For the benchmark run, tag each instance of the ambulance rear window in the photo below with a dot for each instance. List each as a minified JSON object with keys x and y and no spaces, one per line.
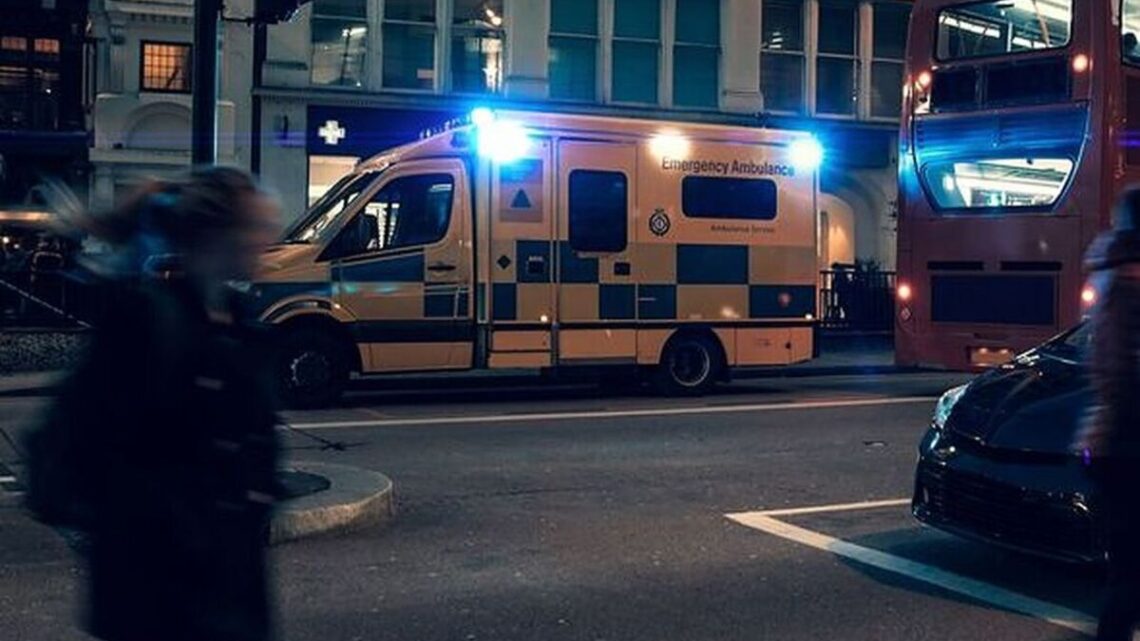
{"x":736,"y":198}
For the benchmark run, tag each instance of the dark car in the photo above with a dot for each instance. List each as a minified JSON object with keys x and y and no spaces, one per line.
{"x":997,"y":463}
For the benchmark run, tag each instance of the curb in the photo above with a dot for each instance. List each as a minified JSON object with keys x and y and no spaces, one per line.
{"x":356,"y":499}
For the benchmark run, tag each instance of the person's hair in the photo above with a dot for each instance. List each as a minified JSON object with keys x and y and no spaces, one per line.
{"x":1126,"y":214}
{"x":183,"y":210}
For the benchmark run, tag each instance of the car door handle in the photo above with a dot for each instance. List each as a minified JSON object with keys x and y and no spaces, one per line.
{"x":441,"y":267}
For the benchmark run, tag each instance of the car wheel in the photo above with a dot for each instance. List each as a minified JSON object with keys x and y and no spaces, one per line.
{"x":311,"y":369}
{"x":690,"y":366}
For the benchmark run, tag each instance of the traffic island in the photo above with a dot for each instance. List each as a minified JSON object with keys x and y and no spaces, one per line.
{"x":325,"y":498}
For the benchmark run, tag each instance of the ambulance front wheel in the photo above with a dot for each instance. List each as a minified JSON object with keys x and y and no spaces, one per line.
{"x":311,"y":369}
{"x":690,"y":365}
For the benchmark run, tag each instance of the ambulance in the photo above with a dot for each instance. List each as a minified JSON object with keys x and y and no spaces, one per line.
{"x":549,"y":241}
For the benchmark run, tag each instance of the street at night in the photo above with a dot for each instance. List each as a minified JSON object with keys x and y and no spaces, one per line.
{"x":538,"y":511}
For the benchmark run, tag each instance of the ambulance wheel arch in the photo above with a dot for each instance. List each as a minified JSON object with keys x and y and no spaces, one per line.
{"x":691,"y":362}
{"x":315,"y":356}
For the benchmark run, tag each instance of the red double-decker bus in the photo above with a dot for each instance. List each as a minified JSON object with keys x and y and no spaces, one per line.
{"x":1015,"y":139}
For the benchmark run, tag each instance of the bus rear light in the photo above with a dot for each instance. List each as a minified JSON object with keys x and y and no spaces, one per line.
{"x":904,"y":292}
{"x":1088,"y":296}
{"x":923,"y":81}
{"x":1081,"y":63}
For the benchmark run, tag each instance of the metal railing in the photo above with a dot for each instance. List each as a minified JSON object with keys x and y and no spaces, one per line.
{"x":55,"y":298}
{"x":860,"y":300}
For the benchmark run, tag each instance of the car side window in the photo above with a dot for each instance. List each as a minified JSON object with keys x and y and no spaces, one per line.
{"x":408,"y":211}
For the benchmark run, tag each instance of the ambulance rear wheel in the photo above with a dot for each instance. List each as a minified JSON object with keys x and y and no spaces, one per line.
{"x":690,"y":366}
{"x":311,"y":369}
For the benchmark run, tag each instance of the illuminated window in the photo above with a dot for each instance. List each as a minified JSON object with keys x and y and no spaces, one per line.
{"x":782,"y":55}
{"x":477,"y":46}
{"x":1130,"y":31}
{"x":996,"y":27}
{"x":13,"y":43}
{"x":1006,"y":183}
{"x":49,"y":46}
{"x":166,"y":66}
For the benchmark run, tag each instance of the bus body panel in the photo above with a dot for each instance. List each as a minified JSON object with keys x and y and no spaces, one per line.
{"x":987,"y":283}
{"x":506,"y":281}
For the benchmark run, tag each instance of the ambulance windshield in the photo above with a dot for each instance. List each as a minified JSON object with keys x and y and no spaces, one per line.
{"x":320,"y":216}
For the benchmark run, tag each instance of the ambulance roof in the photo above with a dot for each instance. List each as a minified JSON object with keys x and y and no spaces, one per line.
{"x":457,"y":138}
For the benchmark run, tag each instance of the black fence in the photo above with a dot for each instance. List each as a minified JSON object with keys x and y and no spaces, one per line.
{"x":860,"y":300}
{"x":48,"y":298}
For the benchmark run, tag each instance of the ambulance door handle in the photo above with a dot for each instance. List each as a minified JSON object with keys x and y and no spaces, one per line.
{"x":441,"y":267}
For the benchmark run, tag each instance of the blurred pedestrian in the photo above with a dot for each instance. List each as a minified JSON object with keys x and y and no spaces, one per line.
{"x":1110,"y":440}
{"x":161,"y":447}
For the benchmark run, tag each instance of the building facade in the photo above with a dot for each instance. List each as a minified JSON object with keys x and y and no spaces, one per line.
{"x":43,"y":127}
{"x":141,"y":70}
{"x":347,"y":78}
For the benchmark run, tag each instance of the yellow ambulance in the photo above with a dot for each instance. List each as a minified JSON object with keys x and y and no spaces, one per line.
{"x":547,"y":241}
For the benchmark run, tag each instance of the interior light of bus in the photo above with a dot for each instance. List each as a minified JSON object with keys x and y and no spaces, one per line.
{"x":806,"y":153}
{"x":1081,"y":63}
{"x":904,"y":292}
{"x":669,"y":144}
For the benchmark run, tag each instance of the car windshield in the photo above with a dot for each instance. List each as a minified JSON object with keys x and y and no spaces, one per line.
{"x":1070,"y":346}
{"x":998,"y":27}
{"x":323,"y":212}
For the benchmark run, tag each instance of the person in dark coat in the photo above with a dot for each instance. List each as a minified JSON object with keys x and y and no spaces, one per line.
{"x":1110,"y":440}
{"x":172,"y":422}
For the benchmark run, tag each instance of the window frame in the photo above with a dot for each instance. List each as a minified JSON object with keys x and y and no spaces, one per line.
{"x":679,"y":44}
{"x":365,"y":63}
{"x":658,"y":44}
{"x":799,"y":54}
{"x":570,"y":218}
{"x":595,"y":38}
{"x":189,"y":46}
{"x":877,"y":60}
{"x":464,"y":31}
{"x":437,"y":30}
{"x":853,"y":59}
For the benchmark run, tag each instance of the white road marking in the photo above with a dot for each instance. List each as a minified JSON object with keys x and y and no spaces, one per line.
{"x":7,"y":479}
{"x":839,"y":507}
{"x":610,"y":414}
{"x":972,"y":588}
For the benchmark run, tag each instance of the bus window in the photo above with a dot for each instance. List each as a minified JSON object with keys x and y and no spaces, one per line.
{"x":997,"y":27}
{"x":598,"y":211}
{"x":1130,"y":31}
{"x":1006,"y":183}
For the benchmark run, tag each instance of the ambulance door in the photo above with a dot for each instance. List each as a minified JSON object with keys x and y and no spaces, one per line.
{"x":521,"y":259}
{"x":597,"y":217}
{"x":403,"y":269}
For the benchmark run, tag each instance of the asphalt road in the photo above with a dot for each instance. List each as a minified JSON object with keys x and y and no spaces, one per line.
{"x":542,"y":512}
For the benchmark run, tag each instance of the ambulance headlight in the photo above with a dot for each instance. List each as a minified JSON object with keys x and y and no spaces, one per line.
{"x":806,"y":154}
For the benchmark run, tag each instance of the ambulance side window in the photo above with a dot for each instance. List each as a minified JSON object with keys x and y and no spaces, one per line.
{"x":407,"y":212}
{"x":598,"y":211}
